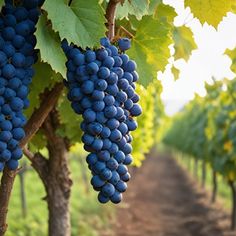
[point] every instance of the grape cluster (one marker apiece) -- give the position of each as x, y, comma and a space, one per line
101, 87
17, 55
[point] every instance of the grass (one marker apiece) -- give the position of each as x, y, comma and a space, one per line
88, 217
223, 194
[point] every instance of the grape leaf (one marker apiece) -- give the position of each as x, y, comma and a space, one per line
82, 23
175, 72
232, 55
150, 48
38, 142
44, 78
49, 44
138, 8
69, 120
153, 5
165, 12
210, 11
183, 42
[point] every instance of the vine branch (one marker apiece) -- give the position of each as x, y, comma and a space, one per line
110, 16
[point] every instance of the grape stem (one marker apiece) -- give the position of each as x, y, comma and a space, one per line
70, 2
28, 154
49, 101
110, 16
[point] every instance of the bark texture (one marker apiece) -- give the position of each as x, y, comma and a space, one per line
56, 178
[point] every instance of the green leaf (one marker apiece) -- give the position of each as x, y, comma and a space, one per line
183, 42
150, 48
232, 55
153, 5
175, 72
44, 78
69, 120
82, 23
2, 3
165, 12
38, 141
210, 11
49, 44
138, 8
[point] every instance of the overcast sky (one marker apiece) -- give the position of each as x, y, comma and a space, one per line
207, 61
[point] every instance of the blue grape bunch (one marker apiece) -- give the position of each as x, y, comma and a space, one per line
101, 88
17, 55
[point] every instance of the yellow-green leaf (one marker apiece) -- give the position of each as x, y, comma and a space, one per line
183, 42
165, 12
210, 11
232, 55
150, 48
175, 72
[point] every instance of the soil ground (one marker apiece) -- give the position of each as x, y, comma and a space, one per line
163, 200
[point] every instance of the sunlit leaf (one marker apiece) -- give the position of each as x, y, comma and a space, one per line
150, 48
165, 12
232, 55
210, 11
175, 72
183, 42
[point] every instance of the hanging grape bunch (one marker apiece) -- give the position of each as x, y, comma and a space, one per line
17, 55
101, 87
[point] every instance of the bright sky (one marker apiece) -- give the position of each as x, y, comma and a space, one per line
207, 61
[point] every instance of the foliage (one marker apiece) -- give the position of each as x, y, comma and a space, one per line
138, 8
232, 55
210, 11
175, 72
150, 123
205, 128
183, 42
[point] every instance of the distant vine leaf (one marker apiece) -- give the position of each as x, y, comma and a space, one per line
82, 23
49, 44
183, 42
150, 48
44, 78
138, 8
165, 12
175, 72
232, 55
210, 11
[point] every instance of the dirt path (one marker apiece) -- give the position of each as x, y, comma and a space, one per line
163, 201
